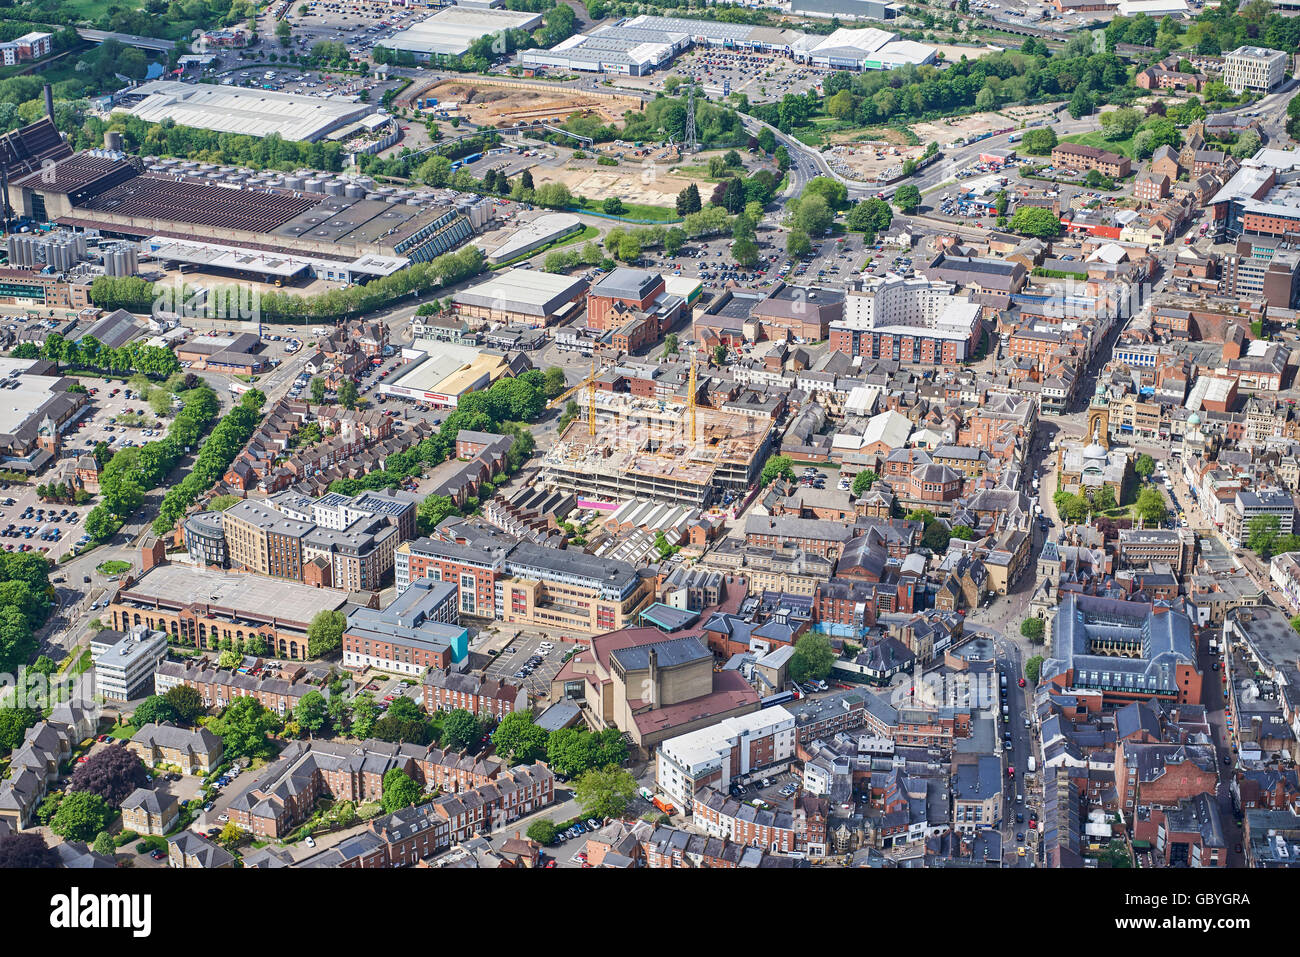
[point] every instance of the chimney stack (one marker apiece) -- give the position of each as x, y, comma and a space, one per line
49, 102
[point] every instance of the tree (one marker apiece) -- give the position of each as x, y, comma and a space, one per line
813, 658
543, 831
553, 382
433, 510
863, 481
604, 792
1033, 667
347, 393
870, 216
571, 751
400, 791
745, 252
404, 722
518, 739
812, 214
1032, 628
797, 243
231, 836
229, 660
1262, 531
935, 537
782, 158
670, 344
186, 702
719, 355
1103, 499
1035, 221
833, 191
688, 200
318, 390
1144, 466
1040, 142
1247, 145
26, 850
325, 633
154, 709
963, 532
777, 466
613, 206
364, 713
1151, 507
81, 815
104, 845
311, 712
282, 31
243, 727
907, 197
112, 773
14, 723
460, 729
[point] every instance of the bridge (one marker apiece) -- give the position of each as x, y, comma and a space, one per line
127, 40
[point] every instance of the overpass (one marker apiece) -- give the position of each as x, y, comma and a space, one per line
127, 40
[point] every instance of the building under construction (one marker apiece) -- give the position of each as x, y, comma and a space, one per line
644, 448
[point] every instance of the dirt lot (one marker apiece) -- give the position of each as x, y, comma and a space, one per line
487, 104
870, 160
648, 183
950, 132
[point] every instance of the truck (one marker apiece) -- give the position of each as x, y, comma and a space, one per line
664, 806
1030, 764
1013, 137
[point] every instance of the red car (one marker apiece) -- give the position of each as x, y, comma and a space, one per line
82, 760
389, 697
1022, 682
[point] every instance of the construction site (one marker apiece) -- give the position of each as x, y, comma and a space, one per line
628, 447
506, 104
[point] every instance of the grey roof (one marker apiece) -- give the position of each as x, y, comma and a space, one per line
978, 781
669, 654
148, 800
625, 283
1158, 640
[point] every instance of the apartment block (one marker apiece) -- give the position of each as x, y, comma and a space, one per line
419, 630
735, 749
1253, 68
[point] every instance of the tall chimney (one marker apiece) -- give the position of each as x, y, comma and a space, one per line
49, 102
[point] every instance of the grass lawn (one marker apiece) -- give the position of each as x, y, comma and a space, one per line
1124, 147
658, 214
123, 732
113, 567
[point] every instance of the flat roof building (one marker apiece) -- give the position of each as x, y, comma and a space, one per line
200, 608
450, 31
522, 297
125, 663
1253, 68
233, 109
420, 629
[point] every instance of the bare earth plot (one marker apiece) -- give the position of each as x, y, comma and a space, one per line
487, 104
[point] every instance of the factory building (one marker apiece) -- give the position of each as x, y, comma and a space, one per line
249, 112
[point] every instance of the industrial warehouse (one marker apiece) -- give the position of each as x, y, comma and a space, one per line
522, 297
657, 450
450, 31
645, 43
239, 110
337, 229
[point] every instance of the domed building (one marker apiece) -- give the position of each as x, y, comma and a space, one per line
1088, 467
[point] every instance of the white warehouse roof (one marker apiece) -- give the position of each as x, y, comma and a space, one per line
450, 31
239, 110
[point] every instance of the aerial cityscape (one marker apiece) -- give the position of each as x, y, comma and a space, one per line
549, 434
